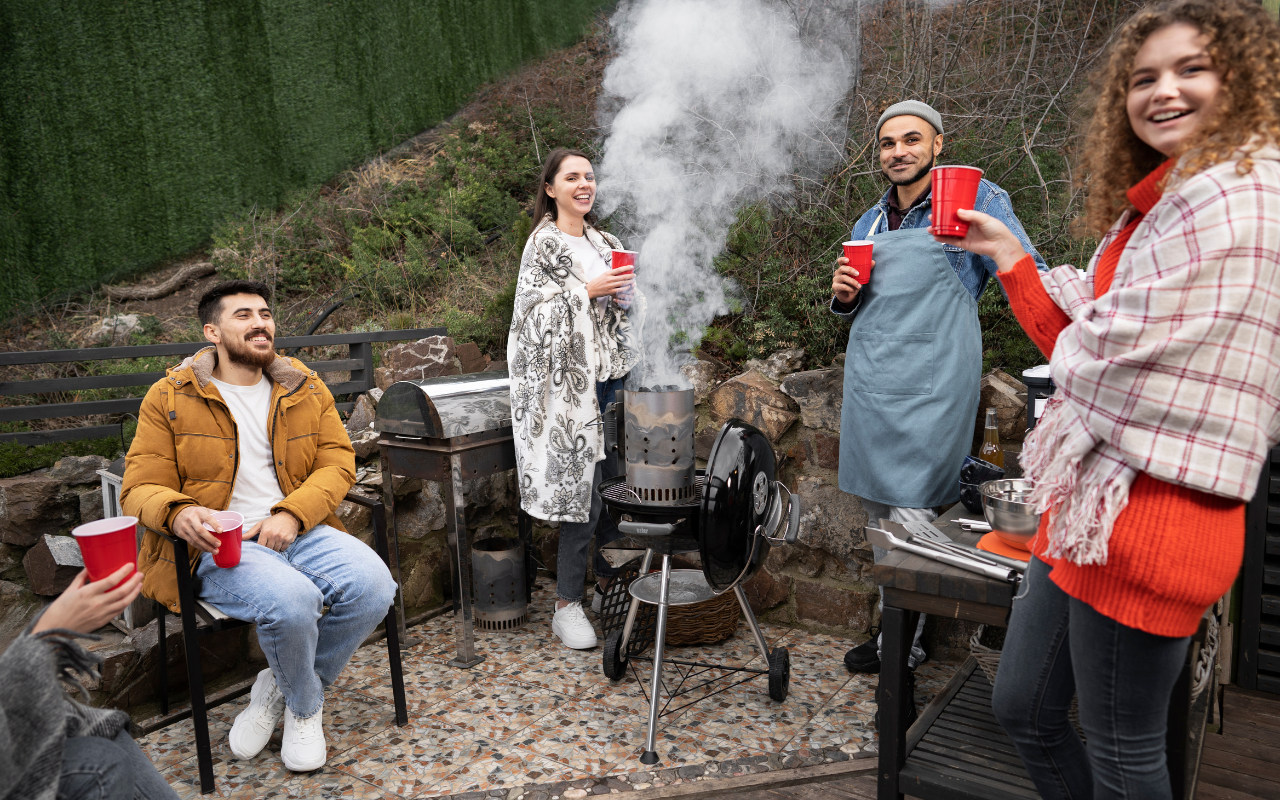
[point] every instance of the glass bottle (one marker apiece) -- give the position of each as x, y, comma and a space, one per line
991, 451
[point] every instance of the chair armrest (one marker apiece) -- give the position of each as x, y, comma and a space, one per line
361, 500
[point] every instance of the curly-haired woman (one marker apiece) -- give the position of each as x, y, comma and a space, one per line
569, 347
1167, 361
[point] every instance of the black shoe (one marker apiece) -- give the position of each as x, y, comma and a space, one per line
911, 707
864, 658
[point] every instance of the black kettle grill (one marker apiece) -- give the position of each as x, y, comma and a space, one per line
736, 512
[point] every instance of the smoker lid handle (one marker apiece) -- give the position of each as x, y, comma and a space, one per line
646, 528
793, 524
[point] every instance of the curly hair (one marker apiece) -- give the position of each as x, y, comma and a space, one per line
1244, 43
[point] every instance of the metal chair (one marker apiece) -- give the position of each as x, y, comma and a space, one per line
200, 618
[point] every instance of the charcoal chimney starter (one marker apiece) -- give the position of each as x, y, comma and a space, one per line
659, 445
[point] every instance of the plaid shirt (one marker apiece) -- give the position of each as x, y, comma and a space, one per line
1175, 371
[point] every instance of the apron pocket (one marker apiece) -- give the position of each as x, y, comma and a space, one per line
888, 364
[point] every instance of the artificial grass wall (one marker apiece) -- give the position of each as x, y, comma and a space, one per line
128, 128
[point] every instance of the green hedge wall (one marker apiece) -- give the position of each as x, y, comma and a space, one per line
128, 128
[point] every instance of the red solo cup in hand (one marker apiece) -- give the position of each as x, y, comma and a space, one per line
232, 523
107, 545
859, 255
954, 188
624, 259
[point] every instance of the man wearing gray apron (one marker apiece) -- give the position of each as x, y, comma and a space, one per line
914, 359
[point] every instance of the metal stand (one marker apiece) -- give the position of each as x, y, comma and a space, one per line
449, 462
777, 664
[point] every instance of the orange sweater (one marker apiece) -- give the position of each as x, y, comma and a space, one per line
1173, 550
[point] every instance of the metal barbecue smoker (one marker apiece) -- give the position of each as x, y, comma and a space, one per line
449, 430
730, 514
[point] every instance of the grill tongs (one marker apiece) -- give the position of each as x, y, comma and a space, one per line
880, 537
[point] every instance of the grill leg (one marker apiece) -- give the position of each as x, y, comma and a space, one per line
635, 607
751, 623
650, 755
460, 549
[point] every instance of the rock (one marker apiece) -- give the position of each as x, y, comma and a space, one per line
365, 443
702, 377
116, 328
52, 564
765, 591
74, 470
362, 415
1008, 396
356, 519
820, 395
823, 449
471, 358
778, 365
838, 362
834, 606
426, 358
751, 397
831, 524
401, 484
496, 366
32, 505
375, 396
421, 513
90, 505
17, 608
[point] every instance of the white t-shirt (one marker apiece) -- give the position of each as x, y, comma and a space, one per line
591, 260
256, 489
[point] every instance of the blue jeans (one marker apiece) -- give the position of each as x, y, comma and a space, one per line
1057, 647
284, 594
95, 768
575, 537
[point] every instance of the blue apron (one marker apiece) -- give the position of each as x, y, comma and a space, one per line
911, 377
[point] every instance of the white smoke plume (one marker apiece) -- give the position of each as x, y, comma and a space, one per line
711, 105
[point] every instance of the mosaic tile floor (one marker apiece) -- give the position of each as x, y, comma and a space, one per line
537, 713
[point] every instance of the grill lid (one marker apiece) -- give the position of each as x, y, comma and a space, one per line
445, 407
736, 500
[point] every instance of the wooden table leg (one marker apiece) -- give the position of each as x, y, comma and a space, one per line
897, 625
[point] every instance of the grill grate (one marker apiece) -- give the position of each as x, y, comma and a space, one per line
621, 493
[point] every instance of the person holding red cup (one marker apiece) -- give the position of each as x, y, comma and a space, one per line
914, 355
1164, 358
240, 452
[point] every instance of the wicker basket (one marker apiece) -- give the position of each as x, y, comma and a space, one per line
708, 622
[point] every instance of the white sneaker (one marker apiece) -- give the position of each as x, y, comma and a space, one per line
253, 727
304, 749
597, 601
573, 628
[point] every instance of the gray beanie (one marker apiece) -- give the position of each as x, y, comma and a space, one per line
914, 108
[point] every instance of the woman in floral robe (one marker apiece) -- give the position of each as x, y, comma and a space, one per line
570, 345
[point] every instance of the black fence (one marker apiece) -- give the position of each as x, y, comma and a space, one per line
359, 363
1259, 647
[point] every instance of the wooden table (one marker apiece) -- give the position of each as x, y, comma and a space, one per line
976, 759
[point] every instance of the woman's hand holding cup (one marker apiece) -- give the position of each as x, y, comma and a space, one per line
987, 236
611, 283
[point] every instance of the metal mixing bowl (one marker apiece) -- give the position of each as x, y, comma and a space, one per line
1005, 504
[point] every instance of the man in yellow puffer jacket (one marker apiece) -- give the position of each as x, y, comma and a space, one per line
236, 427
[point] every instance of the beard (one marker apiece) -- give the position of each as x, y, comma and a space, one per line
244, 353
914, 176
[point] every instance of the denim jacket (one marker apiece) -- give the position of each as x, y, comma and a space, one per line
972, 269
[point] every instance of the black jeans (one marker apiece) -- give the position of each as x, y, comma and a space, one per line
1057, 647
575, 537
95, 768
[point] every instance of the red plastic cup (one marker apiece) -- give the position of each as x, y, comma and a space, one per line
859, 255
954, 188
229, 540
624, 258
107, 545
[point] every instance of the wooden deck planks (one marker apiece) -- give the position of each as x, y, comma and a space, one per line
1243, 762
